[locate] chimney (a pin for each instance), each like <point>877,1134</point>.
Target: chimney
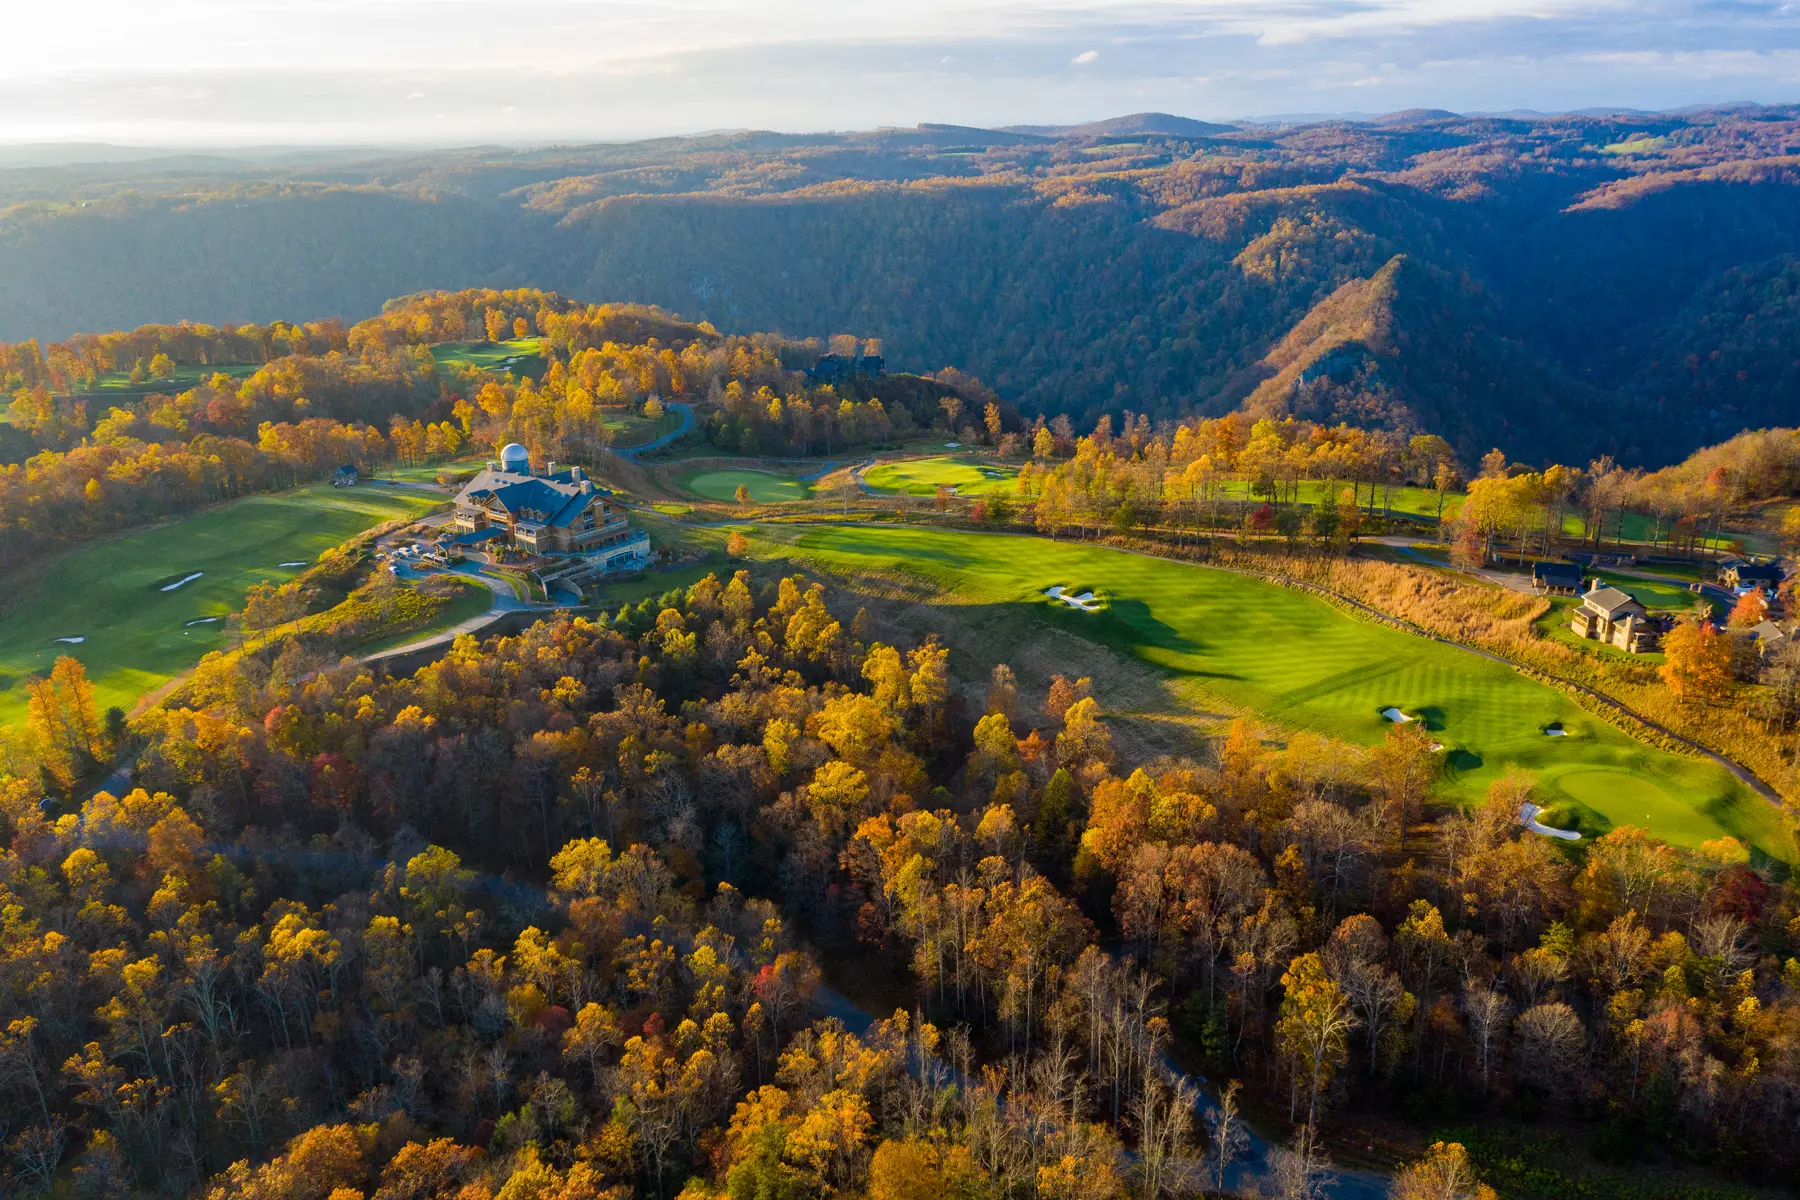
<point>575,473</point>
<point>587,487</point>
<point>550,467</point>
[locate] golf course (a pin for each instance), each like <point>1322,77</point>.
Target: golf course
<point>1222,638</point>
<point>519,356</point>
<point>140,602</point>
<point>763,486</point>
<point>924,476</point>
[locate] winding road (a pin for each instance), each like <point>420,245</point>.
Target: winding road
<point>630,453</point>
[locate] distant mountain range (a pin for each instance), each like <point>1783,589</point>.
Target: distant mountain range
<point>1610,282</point>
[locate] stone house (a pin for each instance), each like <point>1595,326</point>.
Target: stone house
<point>1609,615</point>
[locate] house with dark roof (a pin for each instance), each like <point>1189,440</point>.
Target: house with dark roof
<point>542,512</point>
<point>1766,575</point>
<point>1556,577</point>
<point>1609,615</point>
<point>345,476</point>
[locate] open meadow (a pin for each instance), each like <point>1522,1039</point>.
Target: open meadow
<point>141,602</point>
<point>924,476</point>
<point>1225,639</point>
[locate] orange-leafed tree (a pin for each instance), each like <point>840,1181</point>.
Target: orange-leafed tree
<point>1751,610</point>
<point>1698,661</point>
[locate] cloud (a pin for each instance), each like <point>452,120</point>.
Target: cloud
<point>276,70</point>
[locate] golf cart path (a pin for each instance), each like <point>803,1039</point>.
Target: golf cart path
<point>630,453</point>
<point>505,601</point>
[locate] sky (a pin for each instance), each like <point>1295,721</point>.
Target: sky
<point>524,72</point>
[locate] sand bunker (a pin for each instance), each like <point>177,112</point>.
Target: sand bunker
<point>1085,602</point>
<point>72,641</point>
<point>1556,731</point>
<point>1396,716</point>
<point>171,587</point>
<point>1528,813</point>
<point>199,621</point>
<point>292,564</point>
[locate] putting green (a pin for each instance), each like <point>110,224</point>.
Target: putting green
<point>136,635</point>
<point>763,487</point>
<point>1295,659</point>
<point>923,476</point>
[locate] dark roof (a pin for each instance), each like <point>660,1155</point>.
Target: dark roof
<point>1756,570</point>
<point>559,498</point>
<point>1561,574</point>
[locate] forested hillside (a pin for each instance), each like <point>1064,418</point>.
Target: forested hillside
<point>1613,284</point>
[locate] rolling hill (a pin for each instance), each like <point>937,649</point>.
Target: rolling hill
<point>1611,283</point>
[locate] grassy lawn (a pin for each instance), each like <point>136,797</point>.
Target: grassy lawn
<point>185,378</point>
<point>1410,501</point>
<point>655,583</point>
<point>519,356</point>
<point>471,600</point>
<point>764,487</point>
<point>923,476</point>
<point>1658,597</point>
<point>429,472</point>
<point>137,635</point>
<point>1292,658</point>
<point>630,430</point>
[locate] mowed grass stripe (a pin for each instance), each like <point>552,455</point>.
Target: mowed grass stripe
<point>136,634</point>
<point>923,476</point>
<point>1297,660</point>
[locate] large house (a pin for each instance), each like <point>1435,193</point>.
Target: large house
<point>545,512</point>
<point>1609,615</point>
<point>1743,574</point>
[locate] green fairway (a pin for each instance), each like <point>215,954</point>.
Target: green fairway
<point>763,487</point>
<point>924,476</point>
<point>1296,660</point>
<point>519,356</point>
<point>185,378</point>
<point>136,634</point>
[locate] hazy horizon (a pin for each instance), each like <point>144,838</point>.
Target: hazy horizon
<point>418,73</point>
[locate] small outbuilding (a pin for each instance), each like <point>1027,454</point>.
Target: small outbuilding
<point>1559,577</point>
<point>345,476</point>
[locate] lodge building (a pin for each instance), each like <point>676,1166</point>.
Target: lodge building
<point>542,512</point>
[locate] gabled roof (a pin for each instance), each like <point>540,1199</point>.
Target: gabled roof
<point>1768,631</point>
<point>555,500</point>
<point>1749,570</point>
<point>1570,573</point>
<point>1609,600</point>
